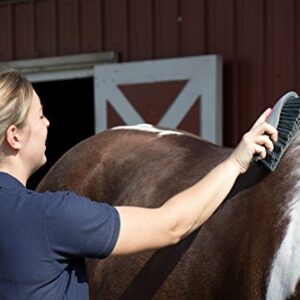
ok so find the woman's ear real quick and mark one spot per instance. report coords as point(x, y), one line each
point(13, 137)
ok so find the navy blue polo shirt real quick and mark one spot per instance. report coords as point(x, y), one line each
point(44, 238)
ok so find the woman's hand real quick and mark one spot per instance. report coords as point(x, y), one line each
point(256, 141)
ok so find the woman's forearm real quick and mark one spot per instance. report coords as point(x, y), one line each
point(189, 209)
point(148, 228)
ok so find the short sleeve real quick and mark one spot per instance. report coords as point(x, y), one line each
point(79, 227)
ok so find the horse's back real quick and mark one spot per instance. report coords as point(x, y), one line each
point(133, 167)
point(133, 161)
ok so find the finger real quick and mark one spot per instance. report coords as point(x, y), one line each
point(273, 134)
point(262, 118)
point(265, 141)
point(265, 128)
point(261, 151)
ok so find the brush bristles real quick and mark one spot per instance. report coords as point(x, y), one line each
point(289, 123)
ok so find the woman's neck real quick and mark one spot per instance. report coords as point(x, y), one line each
point(14, 170)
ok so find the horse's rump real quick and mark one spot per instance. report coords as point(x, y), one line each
point(229, 257)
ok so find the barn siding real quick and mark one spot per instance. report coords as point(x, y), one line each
point(91, 18)
point(23, 30)
point(116, 30)
point(68, 27)
point(45, 26)
point(296, 58)
point(192, 30)
point(6, 34)
point(250, 60)
point(141, 29)
point(221, 17)
point(166, 28)
point(258, 39)
point(280, 47)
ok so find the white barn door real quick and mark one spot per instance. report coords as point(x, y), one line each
point(183, 93)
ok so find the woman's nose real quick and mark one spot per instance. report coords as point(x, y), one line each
point(47, 122)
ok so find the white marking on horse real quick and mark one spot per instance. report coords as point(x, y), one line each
point(285, 272)
point(148, 128)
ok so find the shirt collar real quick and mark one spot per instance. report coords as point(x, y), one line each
point(8, 181)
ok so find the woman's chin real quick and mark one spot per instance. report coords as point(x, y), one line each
point(42, 162)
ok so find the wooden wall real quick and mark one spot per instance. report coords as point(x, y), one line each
point(258, 39)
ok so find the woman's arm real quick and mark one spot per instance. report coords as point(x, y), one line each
point(148, 228)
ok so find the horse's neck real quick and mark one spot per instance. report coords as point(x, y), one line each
point(281, 191)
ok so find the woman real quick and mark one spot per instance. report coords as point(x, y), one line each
point(45, 236)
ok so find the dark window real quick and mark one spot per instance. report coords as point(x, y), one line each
point(69, 106)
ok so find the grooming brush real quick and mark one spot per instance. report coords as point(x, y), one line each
point(285, 117)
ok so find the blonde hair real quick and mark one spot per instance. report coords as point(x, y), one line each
point(16, 94)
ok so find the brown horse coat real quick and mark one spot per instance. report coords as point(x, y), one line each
point(242, 252)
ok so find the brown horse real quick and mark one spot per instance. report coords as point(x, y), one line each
point(249, 248)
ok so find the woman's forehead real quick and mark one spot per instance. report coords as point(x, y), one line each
point(36, 99)
point(36, 103)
